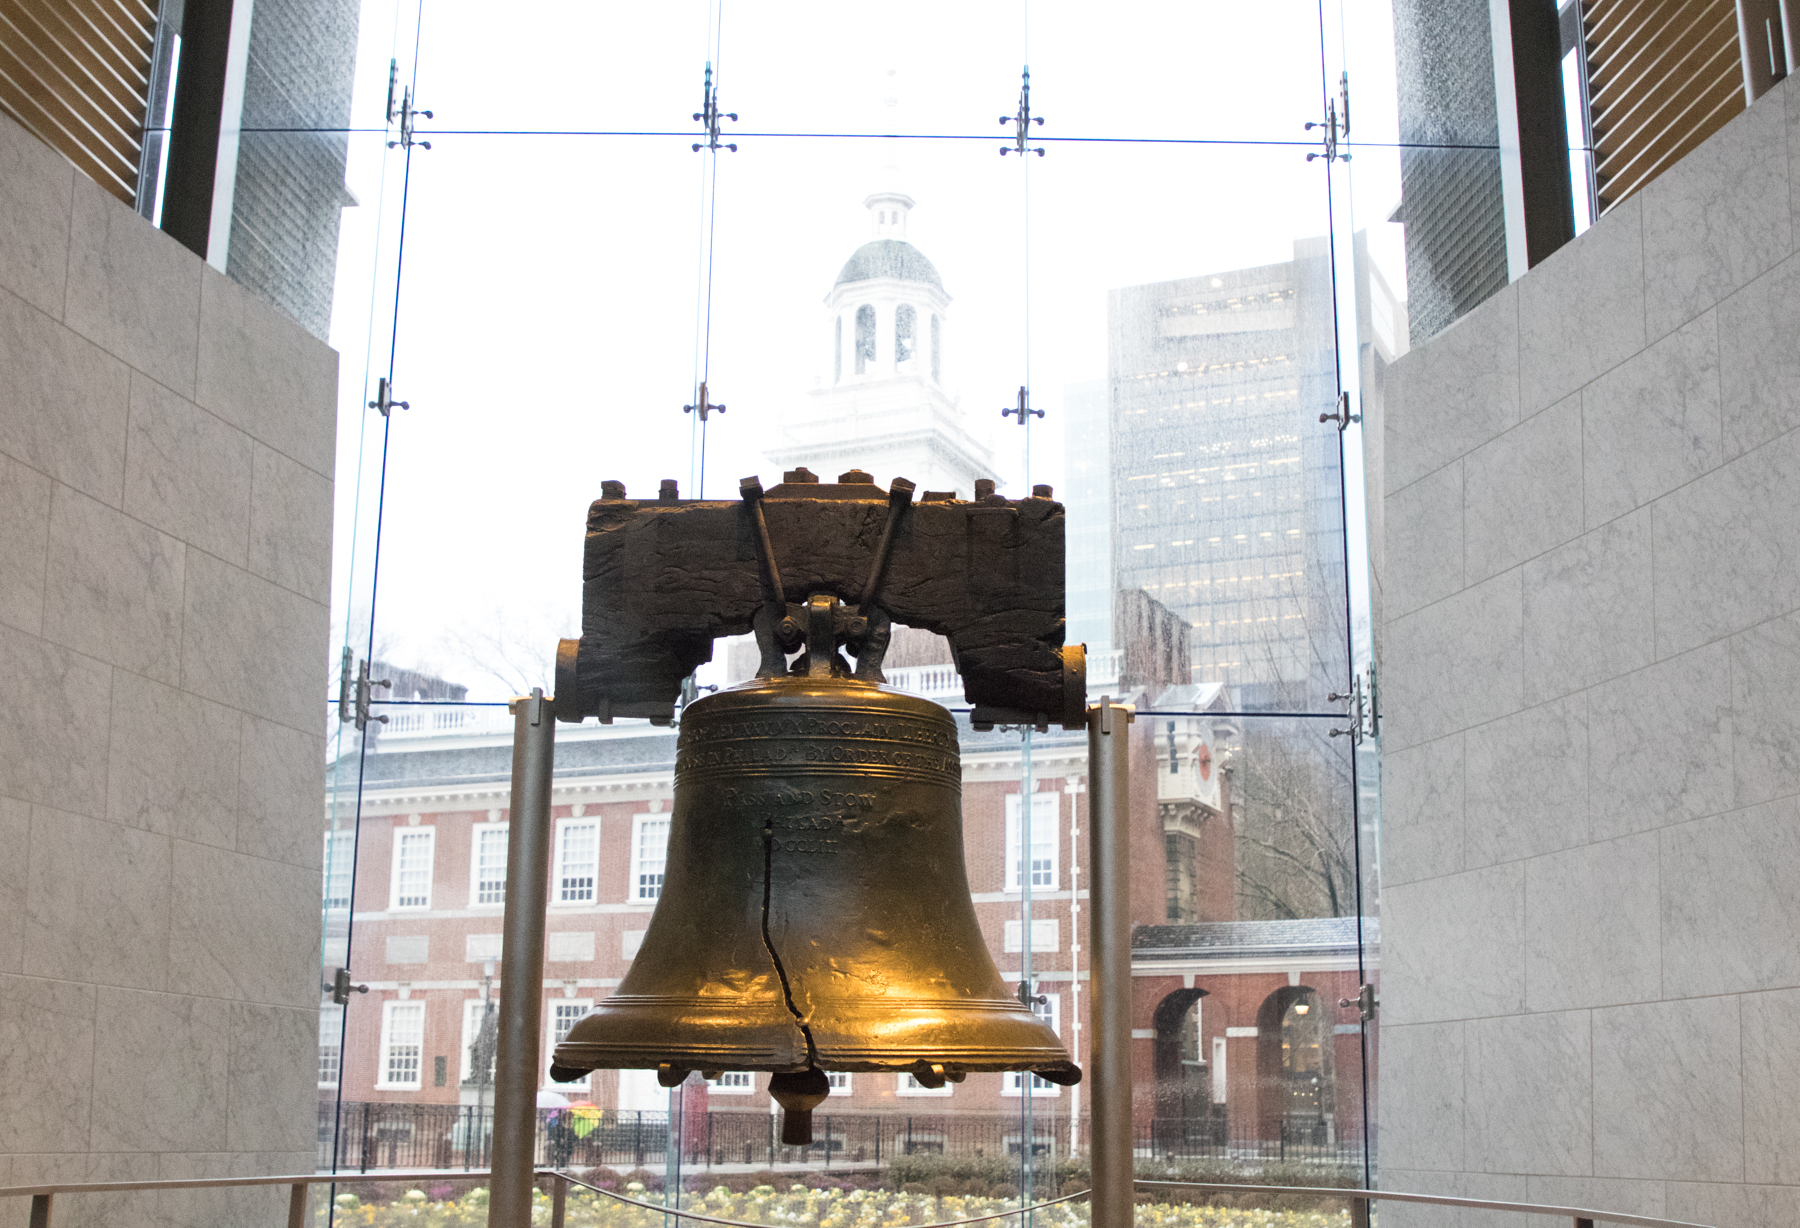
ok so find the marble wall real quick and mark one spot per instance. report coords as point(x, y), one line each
point(1591, 774)
point(165, 516)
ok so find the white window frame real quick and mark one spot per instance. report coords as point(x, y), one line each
point(384, 1055)
point(634, 891)
point(562, 866)
point(839, 1080)
point(476, 832)
point(331, 1042)
point(557, 1004)
point(1046, 824)
point(906, 1085)
point(401, 835)
point(1046, 935)
point(471, 1027)
point(743, 1084)
point(1050, 1011)
point(340, 865)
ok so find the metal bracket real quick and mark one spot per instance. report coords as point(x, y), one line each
point(1106, 707)
point(1355, 699)
point(340, 988)
point(1024, 119)
point(1028, 995)
point(705, 407)
point(407, 114)
point(1336, 124)
point(1341, 414)
point(1022, 409)
point(710, 115)
point(1365, 1002)
point(384, 397)
point(364, 686)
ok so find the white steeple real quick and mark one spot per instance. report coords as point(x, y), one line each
point(887, 214)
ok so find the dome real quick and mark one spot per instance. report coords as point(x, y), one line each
point(889, 258)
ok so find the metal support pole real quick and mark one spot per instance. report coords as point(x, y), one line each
point(559, 1200)
point(1109, 906)
point(40, 1210)
point(297, 1206)
point(522, 963)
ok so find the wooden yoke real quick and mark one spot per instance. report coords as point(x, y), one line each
point(662, 579)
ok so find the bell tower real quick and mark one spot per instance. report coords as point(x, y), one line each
point(881, 403)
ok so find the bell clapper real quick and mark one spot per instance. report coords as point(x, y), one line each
point(799, 1093)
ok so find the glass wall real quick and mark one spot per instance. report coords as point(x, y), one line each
point(1180, 250)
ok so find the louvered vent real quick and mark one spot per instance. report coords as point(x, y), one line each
point(1663, 75)
point(77, 73)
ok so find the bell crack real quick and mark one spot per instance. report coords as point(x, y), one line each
point(787, 992)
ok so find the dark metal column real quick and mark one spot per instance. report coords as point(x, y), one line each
point(1536, 37)
point(194, 127)
point(1109, 907)
point(522, 963)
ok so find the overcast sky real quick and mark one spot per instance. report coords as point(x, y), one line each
point(548, 303)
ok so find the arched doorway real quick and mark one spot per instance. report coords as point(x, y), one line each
point(1295, 1079)
point(1187, 1121)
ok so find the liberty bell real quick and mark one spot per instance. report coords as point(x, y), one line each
point(815, 914)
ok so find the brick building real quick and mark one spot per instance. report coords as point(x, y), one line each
point(429, 894)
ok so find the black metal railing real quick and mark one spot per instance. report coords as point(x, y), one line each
point(373, 1136)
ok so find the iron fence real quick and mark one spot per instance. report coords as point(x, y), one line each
point(371, 1136)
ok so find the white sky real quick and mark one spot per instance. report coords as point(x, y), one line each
point(548, 303)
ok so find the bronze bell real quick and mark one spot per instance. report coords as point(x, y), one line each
point(815, 912)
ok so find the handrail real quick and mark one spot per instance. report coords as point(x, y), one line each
point(1583, 1217)
point(41, 1196)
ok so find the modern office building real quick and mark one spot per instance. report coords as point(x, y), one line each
point(1226, 491)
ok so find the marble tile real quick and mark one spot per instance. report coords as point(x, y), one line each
point(1547, 745)
point(187, 472)
point(1486, 1186)
point(1772, 1050)
point(244, 929)
point(1652, 423)
point(1454, 947)
point(97, 901)
point(1685, 1123)
point(1759, 367)
point(1593, 1194)
point(281, 779)
point(1731, 901)
point(133, 290)
point(267, 376)
point(113, 587)
point(36, 184)
point(1723, 560)
point(1593, 926)
point(1422, 811)
point(1660, 744)
point(167, 1059)
point(1422, 1095)
point(15, 834)
point(173, 765)
point(1528, 1108)
point(1454, 394)
point(1732, 1206)
point(1424, 540)
point(47, 1062)
point(1765, 669)
point(290, 526)
point(1598, 279)
point(53, 725)
point(24, 544)
point(79, 1210)
point(253, 644)
point(1454, 664)
point(1716, 219)
point(1588, 613)
point(1522, 492)
point(66, 402)
point(274, 1068)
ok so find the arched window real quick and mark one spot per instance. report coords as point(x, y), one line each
point(937, 353)
point(865, 337)
point(905, 323)
point(837, 349)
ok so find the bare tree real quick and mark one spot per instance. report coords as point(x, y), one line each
point(505, 650)
point(1295, 828)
